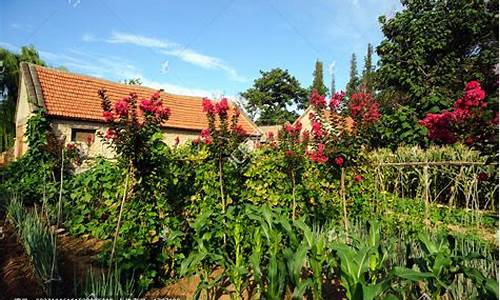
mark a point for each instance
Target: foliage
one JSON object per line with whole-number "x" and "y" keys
{"x": 9, "y": 86}
{"x": 432, "y": 47}
{"x": 368, "y": 69}
{"x": 33, "y": 176}
{"x": 353, "y": 83}
{"x": 473, "y": 120}
{"x": 398, "y": 128}
{"x": 39, "y": 243}
{"x": 272, "y": 95}
{"x": 318, "y": 83}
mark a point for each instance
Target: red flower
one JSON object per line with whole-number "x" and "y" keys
{"x": 163, "y": 112}
{"x": 207, "y": 105}
{"x": 439, "y": 126}
{"x": 270, "y": 135}
{"x": 108, "y": 116}
{"x": 469, "y": 141}
{"x": 339, "y": 161}
{"x": 222, "y": 107}
{"x": 318, "y": 156}
{"x": 494, "y": 121}
{"x": 358, "y": 178}
{"x": 316, "y": 130}
{"x": 121, "y": 108}
{"x": 147, "y": 105}
{"x": 155, "y": 96}
{"x": 289, "y": 153}
{"x": 482, "y": 177}
{"x": 89, "y": 139}
{"x": 336, "y": 100}
{"x": 317, "y": 100}
{"x": 110, "y": 134}
{"x": 71, "y": 146}
{"x": 364, "y": 107}
{"x": 240, "y": 131}
{"x": 305, "y": 136}
{"x": 205, "y": 135}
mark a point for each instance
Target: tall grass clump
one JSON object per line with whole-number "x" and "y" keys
{"x": 39, "y": 243}
{"x": 106, "y": 285}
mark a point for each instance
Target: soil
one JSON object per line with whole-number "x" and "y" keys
{"x": 17, "y": 275}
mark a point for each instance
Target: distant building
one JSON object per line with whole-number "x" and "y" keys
{"x": 74, "y": 108}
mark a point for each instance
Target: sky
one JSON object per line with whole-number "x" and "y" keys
{"x": 202, "y": 48}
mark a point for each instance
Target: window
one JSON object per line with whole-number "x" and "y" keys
{"x": 86, "y": 136}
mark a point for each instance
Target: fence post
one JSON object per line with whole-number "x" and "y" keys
{"x": 426, "y": 190}
{"x": 344, "y": 204}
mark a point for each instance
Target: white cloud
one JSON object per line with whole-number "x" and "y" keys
{"x": 174, "y": 49}
{"x": 178, "y": 89}
{"x": 138, "y": 40}
{"x": 331, "y": 67}
{"x": 9, "y": 46}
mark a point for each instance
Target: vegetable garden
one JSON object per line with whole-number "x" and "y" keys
{"x": 310, "y": 214}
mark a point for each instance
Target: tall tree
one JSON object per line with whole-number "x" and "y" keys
{"x": 272, "y": 96}
{"x": 353, "y": 83}
{"x": 9, "y": 86}
{"x": 318, "y": 84}
{"x": 366, "y": 80}
{"x": 433, "y": 47}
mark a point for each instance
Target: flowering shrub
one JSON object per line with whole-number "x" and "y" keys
{"x": 337, "y": 138}
{"x": 472, "y": 120}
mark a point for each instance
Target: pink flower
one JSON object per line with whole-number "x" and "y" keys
{"x": 336, "y": 100}
{"x": 89, "y": 139}
{"x": 317, "y": 100}
{"x": 155, "y": 96}
{"x": 207, "y": 105}
{"x": 298, "y": 126}
{"x": 222, "y": 107}
{"x": 318, "y": 156}
{"x": 358, "y": 178}
{"x": 163, "y": 112}
{"x": 316, "y": 130}
{"x": 240, "y": 131}
{"x": 147, "y": 105}
{"x": 205, "y": 135}
{"x": 121, "y": 108}
{"x": 110, "y": 134}
{"x": 339, "y": 161}
{"x": 108, "y": 116}
{"x": 270, "y": 135}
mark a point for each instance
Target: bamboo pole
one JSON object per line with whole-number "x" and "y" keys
{"x": 344, "y": 204}
{"x": 426, "y": 190}
{"x": 115, "y": 238}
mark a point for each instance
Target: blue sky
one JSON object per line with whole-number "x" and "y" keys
{"x": 203, "y": 48}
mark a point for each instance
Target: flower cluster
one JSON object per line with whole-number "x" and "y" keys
{"x": 364, "y": 108}
{"x": 121, "y": 107}
{"x": 221, "y": 108}
{"x": 316, "y": 129}
{"x": 439, "y": 127}
{"x": 317, "y": 100}
{"x": 154, "y": 106}
{"x": 336, "y": 100}
{"x": 206, "y": 137}
{"x": 318, "y": 155}
{"x": 292, "y": 130}
{"x": 443, "y": 127}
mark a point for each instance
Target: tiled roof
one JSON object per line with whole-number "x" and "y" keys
{"x": 74, "y": 96}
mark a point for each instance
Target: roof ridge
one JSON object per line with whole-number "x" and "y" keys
{"x": 62, "y": 72}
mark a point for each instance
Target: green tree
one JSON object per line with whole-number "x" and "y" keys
{"x": 9, "y": 85}
{"x": 132, "y": 81}
{"x": 433, "y": 47}
{"x": 353, "y": 83}
{"x": 318, "y": 84}
{"x": 366, "y": 80}
{"x": 272, "y": 95}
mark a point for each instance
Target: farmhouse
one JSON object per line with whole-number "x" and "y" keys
{"x": 74, "y": 108}
{"x": 343, "y": 123}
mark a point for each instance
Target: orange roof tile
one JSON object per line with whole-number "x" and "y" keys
{"x": 74, "y": 96}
